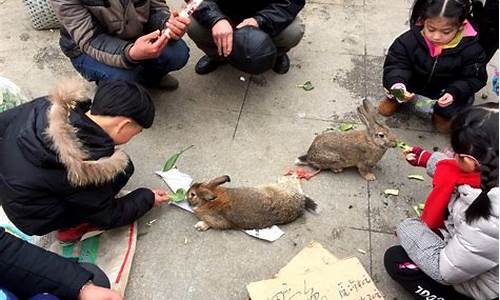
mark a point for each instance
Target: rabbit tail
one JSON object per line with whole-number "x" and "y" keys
{"x": 301, "y": 160}
{"x": 311, "y": 206}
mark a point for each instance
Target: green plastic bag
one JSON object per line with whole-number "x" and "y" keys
{"x": 10, "y": 95}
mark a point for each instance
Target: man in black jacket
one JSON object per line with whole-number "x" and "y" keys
{"x": 215, "y": 21}
{"x": 27, "y": 270}
{"x": 59, "y": 167}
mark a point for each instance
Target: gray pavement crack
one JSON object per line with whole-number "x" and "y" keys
{"x": 241, "y": 109}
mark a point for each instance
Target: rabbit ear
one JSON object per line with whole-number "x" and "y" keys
{"x": 206, "y": 194}
{"x": 372, "y": 113}
{"x": 363, "y": 116}
{"x": 218, "y": 181}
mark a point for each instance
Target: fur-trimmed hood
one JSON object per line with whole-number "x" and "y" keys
{"x": 74, "y": 141}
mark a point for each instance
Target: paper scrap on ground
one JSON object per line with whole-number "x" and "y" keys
{"x": 346, "y": 279}
{"x": 175, "y": 180}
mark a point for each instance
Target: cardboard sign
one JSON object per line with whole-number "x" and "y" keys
{"x": 316, "y": 274}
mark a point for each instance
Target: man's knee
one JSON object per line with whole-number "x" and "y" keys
{"x": 175, "y": 55}
{"x": 290, "y": 36}
{"x": 202, "y": 37}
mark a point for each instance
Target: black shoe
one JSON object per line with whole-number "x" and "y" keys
{"x": 206, "y": 65}
{"x": 282, "y": 64}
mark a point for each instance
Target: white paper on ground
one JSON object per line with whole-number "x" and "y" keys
{"x": 175, "y": 180}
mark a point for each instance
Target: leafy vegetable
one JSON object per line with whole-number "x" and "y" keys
{"x": 179, "y": 196}
{"x": 307, "y": 86}
{"x": 423, "y": 102}
{"x": 416, "y": 177}
{"x": 392, "y": 192}
{"x": 419, "y": 208}
{"x": 402, "y": 145}
{"x": 170, "y": 163}
{"x": 346, "y": 127}
{"x": 398, "y": 93}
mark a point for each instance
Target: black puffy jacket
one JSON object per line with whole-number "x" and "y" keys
{"x": 272, "y": 15}
{"x": 53, "y": 178}
{"x": 27, "y": 270}
{"x": 460, "y": 71}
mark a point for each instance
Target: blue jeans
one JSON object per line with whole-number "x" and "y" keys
{"x": 149, "y": 72}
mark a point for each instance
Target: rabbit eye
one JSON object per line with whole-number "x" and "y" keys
{"x": 192, "y": 194}
{"x": 381, "y": 134}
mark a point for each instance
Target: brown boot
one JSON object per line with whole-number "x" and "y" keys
{"x": 387, "y": 107}
{"x": 441, "y": 124}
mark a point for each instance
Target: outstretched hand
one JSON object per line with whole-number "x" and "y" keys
{"x": 417, "y": 156}
{"x": 161, "y": 196}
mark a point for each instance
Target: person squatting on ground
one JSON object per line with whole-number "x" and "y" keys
{"x": 233, "y": 31}
{"x": 59, "y": 168}
{"x": 30, "y": 272}
{"x": 114, "y": 39}
{"x": 486, "y": 18}
{"x": 461, "y": 262}
{"x": 439, "y": 57}
{"x": 447, "y": 175}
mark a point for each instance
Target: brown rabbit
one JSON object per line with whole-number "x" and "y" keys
{"x": 246, "y": 207}
{"x": 362, "y": 149}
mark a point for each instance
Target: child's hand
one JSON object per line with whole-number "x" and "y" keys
{"x": 445, "y": 100}
{"x": 160, "y": 196}
{"x": 398, "y": 90}
{"x": 417, "y": 156}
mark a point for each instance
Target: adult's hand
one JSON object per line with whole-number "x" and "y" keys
{"x": 94, "y": 292}
{"x": 248, "y": 22}
{"x": 177, "y": 25}
{"x": 148, "y": 46}
{"x": 222, "y": 33}
{"x": 161, "y": 196}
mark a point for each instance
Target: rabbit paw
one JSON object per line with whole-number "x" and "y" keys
{"x": 370, "y": 176}
{"x": 201, "y": 226}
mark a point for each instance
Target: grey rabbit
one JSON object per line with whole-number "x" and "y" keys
{"x": 362, "y": 148}
{"x": 247, "y": 207}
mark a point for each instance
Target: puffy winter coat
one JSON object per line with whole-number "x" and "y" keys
{"x": 460, "y": 71}
{"x": 59, "y": 169}
{"x": 467, "y": 257}
{"x": 272, "y": 15}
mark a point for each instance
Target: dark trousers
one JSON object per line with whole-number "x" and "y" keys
{"x": 403, "y": 271}
{"x": 284, "y": 41}
{"x": 488, "y": 28}
{"x": 149, "y": 72}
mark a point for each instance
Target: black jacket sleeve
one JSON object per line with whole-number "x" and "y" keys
{"x": 278, "y": 15}
{"x": 398, "y": 65}
{"x": 159, "y": 14}
{"x": 107, "y": 212}
{"x": 209, "y": 13}
{"x": 27, "y": 270}
{"x": 472, "y": 77}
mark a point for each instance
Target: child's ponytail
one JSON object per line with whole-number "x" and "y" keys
{"x": 481, "y": 206}
{"x": 474, "y": 132}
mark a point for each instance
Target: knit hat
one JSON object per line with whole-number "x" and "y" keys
{"x": 124, "y": 98}
{"x": 253, "y": 50}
